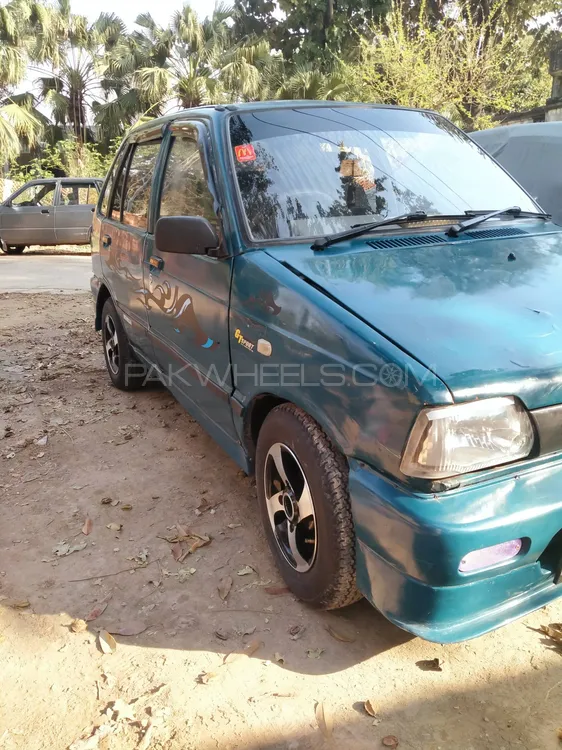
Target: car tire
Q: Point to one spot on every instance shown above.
(125, 370)
(15, 249)
(307, 512)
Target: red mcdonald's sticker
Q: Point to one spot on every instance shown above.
(245, 152)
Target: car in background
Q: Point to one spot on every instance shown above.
(532, 153)
(49, 212)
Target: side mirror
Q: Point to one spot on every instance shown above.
(189, 235)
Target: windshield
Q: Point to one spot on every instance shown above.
(308, 172)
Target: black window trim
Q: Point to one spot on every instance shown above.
(202, 140)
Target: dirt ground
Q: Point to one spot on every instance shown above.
(73, 448)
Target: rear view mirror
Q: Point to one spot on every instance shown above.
(190, 235)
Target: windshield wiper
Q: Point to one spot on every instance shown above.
(515, 211)
(358, 229)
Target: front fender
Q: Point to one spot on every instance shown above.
(290, 340)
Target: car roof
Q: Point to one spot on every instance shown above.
(218, 110)
(64, 180)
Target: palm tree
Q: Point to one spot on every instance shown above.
(201, 64)
(72, 58)
(17, 119)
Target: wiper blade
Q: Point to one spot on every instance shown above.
(480, 217)
(356, 231)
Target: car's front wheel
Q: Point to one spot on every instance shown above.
(124, 369)
(302, 486)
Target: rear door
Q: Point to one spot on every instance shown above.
(123, 233)
(28, 217)
(74, 212)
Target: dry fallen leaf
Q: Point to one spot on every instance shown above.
(250, 649)
(177, 551)
(201, 541)
(127, 506)
(204, 677)
(135, 627)
(17, 603)
(99, 609)
(276, 590)
(88, 526)
(246, 571)
(78, 626)
(339, 635)
(106, 501)
(296, 632)
(279, 658)
(314, 653)
(430, 665)
(182, 531)
(369, 708)
(234, 525)
(323, 719)
(107, 642)
(114, 526)
(122, 711)
(184, 574)
(390, 741)
(225, 584)
(554, 631)
(221, 635)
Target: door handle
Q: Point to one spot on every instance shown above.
(106, 240)
(156, 262)
(44, 210)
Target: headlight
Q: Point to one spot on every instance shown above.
(449, 440)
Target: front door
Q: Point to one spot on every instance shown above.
(74, 212)
(28, 218)
(123, 236)
(188, 295)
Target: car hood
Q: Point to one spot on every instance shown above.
(485, 315)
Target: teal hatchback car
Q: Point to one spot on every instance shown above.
(365, 310)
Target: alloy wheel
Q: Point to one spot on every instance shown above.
(290, 507)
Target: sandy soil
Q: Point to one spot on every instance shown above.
(305, 676)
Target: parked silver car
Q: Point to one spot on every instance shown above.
(49, 212)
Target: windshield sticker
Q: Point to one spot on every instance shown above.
(245, 152)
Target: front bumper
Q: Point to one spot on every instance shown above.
(409, 547)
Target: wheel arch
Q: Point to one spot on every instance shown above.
(257, 411)
(103, 295)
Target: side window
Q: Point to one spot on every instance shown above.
(78, 194)
(36, 195)
(139, 181)
(184, 190)
(108, 186)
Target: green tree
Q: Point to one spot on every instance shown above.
(202, 62)
(18, 120)
(467, 69)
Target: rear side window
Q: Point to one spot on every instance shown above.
(137, 188)
(78, 194)
(185, 191)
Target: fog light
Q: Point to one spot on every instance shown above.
(485, 558)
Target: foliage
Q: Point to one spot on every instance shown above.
(467, 70)
(470, 59)
(69, 157)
